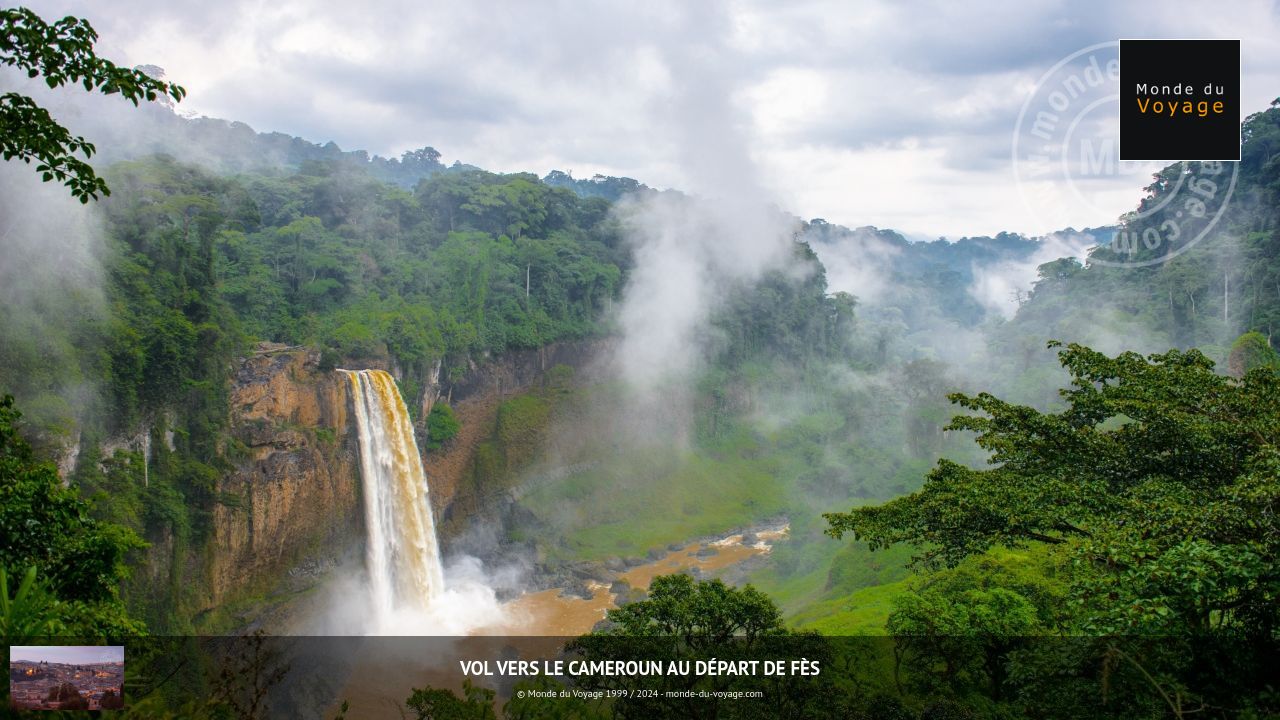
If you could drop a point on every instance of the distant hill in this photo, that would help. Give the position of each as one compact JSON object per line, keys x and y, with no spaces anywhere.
{"x":122,"y":132}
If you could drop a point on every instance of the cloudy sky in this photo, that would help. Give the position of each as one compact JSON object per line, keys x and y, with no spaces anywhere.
{"x":894,"y":114}
{"x":73,"y":654}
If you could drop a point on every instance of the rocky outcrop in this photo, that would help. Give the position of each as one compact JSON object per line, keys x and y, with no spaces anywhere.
{"x":294,"y":500}
{"x":518,"y":370}
{"x":475,"y":398}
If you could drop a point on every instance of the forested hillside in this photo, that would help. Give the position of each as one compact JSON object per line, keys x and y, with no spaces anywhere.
{"x":1213,"y":292}
{"x":201,"y":265}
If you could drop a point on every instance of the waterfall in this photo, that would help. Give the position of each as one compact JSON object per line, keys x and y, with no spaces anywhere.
{"x":403,"y":557}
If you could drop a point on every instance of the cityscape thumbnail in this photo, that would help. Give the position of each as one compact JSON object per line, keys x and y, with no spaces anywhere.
{"x":66,"y":677}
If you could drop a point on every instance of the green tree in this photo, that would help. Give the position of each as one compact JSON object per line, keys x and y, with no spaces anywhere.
{"x":442,"y":424}
{"x":684,"y":620}
{"x":1157,"y":478}
{"x":956,"y":628}
{"x":431,"y":703}
{"x":1251,"y":350}
{"x":702,"y":614}
{"x":62,"y":53}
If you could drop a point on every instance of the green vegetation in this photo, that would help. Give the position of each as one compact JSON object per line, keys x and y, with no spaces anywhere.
{"x":685,"y":621}
{"x":791,"y":416}
{"x":1147,"y":510}
{"x":521,"y":423}
{"x":475,"y":704}
{"x":1206,"y":297}
{"x":1139,"y":506}
{"x":862,"y":612}
{"x":60,"y":568}
{"x":341,"y":260}
{"x":1251,"y":351}
{"x":442,"y":425}
{"x":756,"y":453}
{"x":26,"y":612}
{"x":668,"y":499}
{"x":837,"y":588}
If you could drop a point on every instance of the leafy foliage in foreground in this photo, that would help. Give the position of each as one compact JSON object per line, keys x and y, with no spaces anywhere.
{"x":64,"y":567}
{"x":1150,"y":496}
{"x":683,"y":620}
{"x":431,"y":703}
{"x":1154,"y":480}
{"x":61,"y":53}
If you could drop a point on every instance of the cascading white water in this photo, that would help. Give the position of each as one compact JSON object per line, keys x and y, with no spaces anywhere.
{"x":403,"y":556}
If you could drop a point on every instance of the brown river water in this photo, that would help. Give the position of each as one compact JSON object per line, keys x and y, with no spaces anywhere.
{"x":548,"y":612}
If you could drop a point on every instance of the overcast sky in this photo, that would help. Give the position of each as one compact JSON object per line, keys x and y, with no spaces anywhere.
{"x":70,"y":654}
{"x":895,"y":114}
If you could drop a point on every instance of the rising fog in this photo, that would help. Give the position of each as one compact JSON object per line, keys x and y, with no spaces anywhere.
{"x":688,"y":250}
{"x":51,"y":292}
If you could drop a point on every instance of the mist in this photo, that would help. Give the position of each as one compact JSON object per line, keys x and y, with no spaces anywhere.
{"x":1001,"y":286}
{"x":51,"y":289}
{"x":861,"y":264}
{"x":470,"y":604}
{"x":688,"y":250}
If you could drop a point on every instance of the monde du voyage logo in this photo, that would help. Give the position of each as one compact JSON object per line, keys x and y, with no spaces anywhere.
{"x":1180,"y":100}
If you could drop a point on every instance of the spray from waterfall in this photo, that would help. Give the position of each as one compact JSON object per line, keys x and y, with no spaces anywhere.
{"x":403,"y":556}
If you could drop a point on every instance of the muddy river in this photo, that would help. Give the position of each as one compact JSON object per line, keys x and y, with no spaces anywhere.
{"x":551,"y":612}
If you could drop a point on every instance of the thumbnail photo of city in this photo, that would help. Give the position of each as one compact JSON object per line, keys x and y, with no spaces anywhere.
{"x":66,"y":677}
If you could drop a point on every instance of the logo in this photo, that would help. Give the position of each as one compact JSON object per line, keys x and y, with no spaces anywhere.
{"x":1180,"y":100}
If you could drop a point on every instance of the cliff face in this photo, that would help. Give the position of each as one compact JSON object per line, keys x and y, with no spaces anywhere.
{"x":475,"y":398}
{"x":296,"y":497}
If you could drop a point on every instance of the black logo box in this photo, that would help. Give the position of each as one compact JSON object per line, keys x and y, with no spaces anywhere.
{"x":1157,"y":73}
